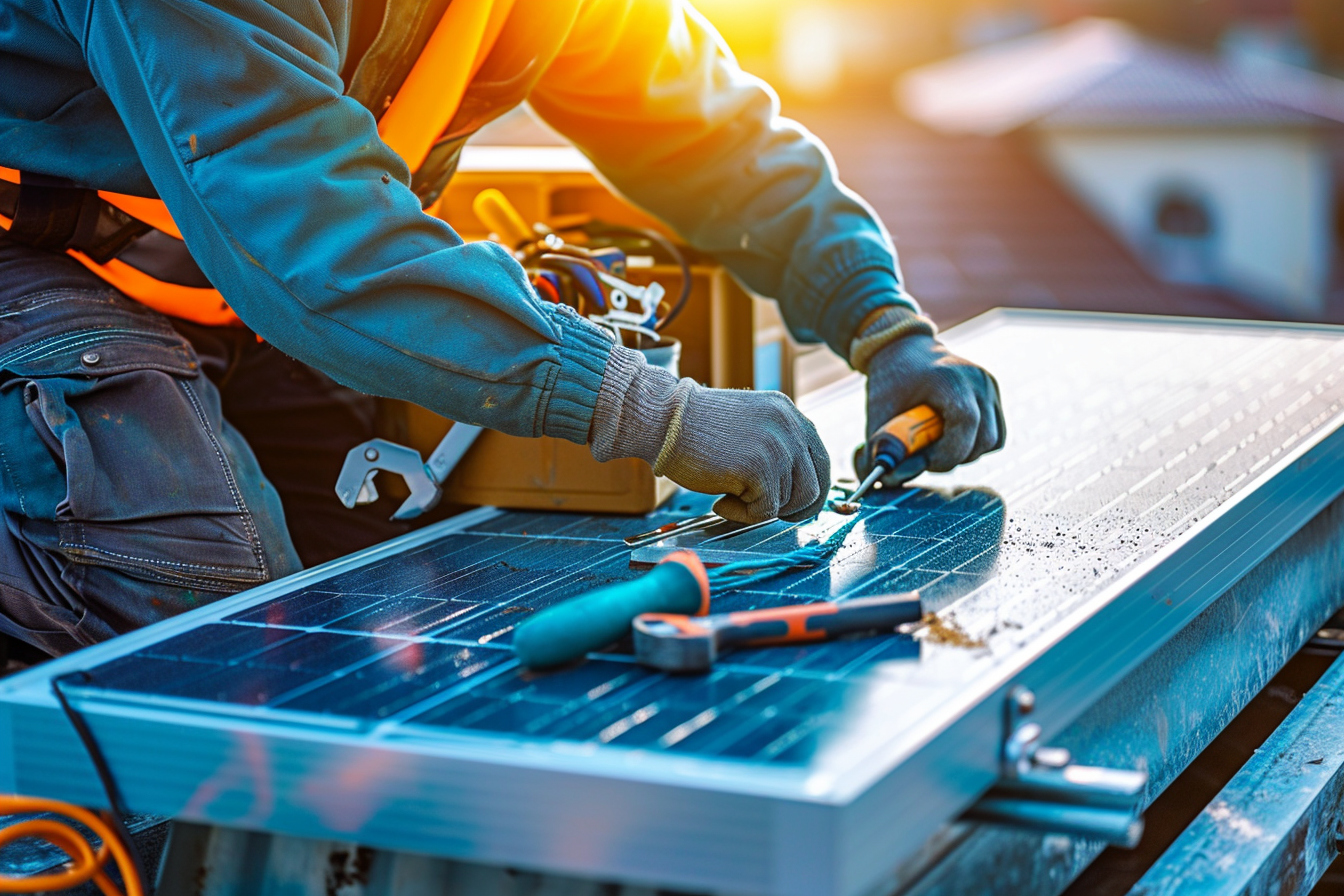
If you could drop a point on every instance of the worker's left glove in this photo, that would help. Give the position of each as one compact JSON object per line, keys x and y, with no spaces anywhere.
{"x":907,"y":366}
{"x":756,"y":448}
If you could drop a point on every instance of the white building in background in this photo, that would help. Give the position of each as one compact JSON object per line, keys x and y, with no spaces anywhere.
{"x":1212,"y":172}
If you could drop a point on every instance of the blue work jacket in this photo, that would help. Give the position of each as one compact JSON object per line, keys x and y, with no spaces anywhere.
{"x":234,"y":113}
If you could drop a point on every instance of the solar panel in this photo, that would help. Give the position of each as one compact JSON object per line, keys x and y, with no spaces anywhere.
{"x":425,"y":639}
{"x":1139,"y":450}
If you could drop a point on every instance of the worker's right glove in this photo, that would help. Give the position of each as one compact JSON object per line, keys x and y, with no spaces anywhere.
{"x":755,"y":447}
{"x":907,"y":366}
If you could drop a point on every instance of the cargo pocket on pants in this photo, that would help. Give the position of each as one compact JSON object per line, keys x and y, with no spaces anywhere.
{"x":133,"y":431}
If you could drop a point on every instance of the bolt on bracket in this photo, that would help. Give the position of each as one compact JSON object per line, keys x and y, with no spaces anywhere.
{"x":1042,"y":789}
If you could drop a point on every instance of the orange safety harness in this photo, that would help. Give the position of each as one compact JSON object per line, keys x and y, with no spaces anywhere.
{"x":422,"y":109}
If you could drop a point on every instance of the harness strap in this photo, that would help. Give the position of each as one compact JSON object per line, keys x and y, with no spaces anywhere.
{"x":46,"y":213}
{"x":54,"y":215}
{"x":150,"y":264}
{"x":437,"y":82}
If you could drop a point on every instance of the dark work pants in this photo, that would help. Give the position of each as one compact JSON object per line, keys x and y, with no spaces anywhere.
{"x":149,"y":465}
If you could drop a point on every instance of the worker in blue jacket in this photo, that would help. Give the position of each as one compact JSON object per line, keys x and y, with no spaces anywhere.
{"x":181,"y":180}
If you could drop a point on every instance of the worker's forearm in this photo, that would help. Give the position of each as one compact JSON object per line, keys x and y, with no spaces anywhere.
{"x":303,"y":219}
{"x":872,"y":300}
{"x":389,"y":301}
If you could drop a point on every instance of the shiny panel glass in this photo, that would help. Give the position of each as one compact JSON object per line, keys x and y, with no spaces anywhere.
{"x":1123,"y":436}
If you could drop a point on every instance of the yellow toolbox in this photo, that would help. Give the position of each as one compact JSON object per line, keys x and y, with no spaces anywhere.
{"x":718,"y":330}
{"x":556,"y":186}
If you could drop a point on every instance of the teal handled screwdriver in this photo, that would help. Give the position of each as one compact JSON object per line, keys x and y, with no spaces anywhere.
{"x":569,"y":630}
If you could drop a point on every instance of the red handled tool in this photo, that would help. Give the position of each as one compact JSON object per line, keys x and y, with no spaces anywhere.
{"x":679,"y":643}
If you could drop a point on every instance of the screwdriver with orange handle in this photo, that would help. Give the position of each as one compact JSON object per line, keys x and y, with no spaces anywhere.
{"x":900,"y":437}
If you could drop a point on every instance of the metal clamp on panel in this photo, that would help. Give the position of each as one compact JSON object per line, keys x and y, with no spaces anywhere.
{"x":1042,"y":789}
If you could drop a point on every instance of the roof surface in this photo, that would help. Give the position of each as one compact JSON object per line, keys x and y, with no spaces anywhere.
{"x":979,"y":224}
{"x":1102,"y":73}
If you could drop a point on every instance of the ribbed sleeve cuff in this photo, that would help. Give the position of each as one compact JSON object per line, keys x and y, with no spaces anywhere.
{"x":584,"y":350}
{"x":862,"y":294}
{"x":881,"y":328}
{"x":634,"y":408}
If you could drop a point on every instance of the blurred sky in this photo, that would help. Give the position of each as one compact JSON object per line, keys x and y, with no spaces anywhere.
{"x":828,"y":49}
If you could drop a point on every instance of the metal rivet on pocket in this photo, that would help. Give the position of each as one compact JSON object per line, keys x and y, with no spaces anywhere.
{"x":90,"y":358}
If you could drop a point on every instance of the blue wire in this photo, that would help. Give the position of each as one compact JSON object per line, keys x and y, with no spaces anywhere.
{"x":730,"y":577}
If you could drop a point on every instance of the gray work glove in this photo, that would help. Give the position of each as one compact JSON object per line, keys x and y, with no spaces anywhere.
{"x":754,"y":447}
{"x":907,"y":366}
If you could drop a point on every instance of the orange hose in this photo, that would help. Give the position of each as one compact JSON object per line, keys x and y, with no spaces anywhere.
{"x":84,"y":864}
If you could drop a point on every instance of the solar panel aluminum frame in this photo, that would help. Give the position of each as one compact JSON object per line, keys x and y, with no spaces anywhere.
{"x":692,"y":823}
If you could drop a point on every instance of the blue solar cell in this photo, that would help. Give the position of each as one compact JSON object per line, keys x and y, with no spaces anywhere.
{"x":620,"y":704}
{"x":219,"y":643}
{"x":493,"y":626}
{"x":540,"y":705}
{"x":604,"y":528}
{"x":752,"y":741}
{"x":926,"y":525}
{"x":910,"y":580}
{"x":879,"y":522}
{"x":586,"y":681}
{"x":242,"y":684}
{"x":462,"y":711}
{"x":321,"y":653}
{"x":631,"y":723}
{"x":142,"y":673}
{"x":799,"y":745}
{"x":699,"y":691}
{"x":526,"y":717}
{"x":403,"y":616}
{"x":521,"y":524}
{"x":419,"y":569}
{"x":897,"y":580}
{"x":727,"y":724}
{"x":402,"y":678}
{"x":736,"y":601}
{"x":305,"y":609}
